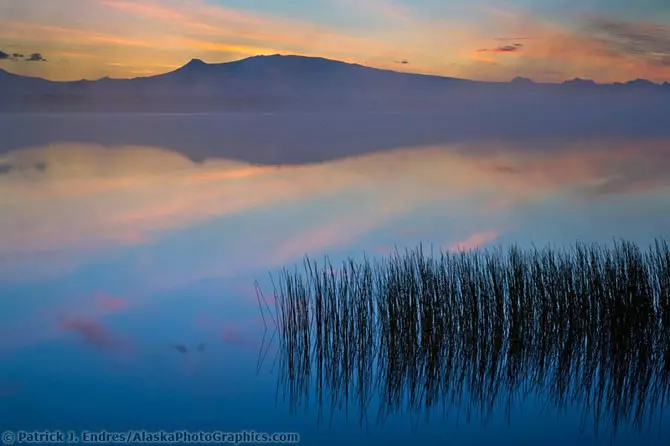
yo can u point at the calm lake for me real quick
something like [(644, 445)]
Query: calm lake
[(128, 263)]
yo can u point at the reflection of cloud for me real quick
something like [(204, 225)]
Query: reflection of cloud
[(474, 241), (180, 348), (230, 334), (113, 304), (82, 315), (384, 250), (339, 231), (134, 196), (92, 332), (233, 335)]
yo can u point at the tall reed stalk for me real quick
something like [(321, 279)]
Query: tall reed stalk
[(586, 326)]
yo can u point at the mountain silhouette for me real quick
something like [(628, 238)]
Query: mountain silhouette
[(289, 82)]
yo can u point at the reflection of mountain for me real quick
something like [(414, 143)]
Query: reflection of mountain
[(320, 110), (303, 83), (583, 329), (289, 138)]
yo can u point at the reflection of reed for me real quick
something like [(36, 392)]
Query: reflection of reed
[(586, 327)]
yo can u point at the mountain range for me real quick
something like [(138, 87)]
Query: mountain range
[(276, 82)]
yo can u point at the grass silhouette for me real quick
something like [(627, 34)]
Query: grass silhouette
[(586, 326)]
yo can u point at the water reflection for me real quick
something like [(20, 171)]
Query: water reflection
[(118, 262), (87, 198), (480, 333)]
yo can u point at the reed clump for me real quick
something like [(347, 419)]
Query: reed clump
[(586, 326)]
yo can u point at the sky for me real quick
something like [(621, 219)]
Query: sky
[(546, 40)]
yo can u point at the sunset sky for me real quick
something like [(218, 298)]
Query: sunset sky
[(546, 40)]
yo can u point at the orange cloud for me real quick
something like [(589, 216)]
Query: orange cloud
[(227, 48), (149, 34), (589, 46), (170, 32), (143, 72), (151, 10), (35, 32)]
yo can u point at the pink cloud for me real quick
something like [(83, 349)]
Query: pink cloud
[(113, 304), (338, 231), (80, 315), (474, 241), (93, 332), (385, 250), (232, 335)]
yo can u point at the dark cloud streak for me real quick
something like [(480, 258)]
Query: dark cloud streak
[(503, 49), (36, 57), (641, 40), (9, 168)]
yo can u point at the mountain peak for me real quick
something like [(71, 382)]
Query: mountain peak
[(194, 63), (640, 81), (267, 56), (580, 81), (522, 80)]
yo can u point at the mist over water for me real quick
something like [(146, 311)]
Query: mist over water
[(130, 245)]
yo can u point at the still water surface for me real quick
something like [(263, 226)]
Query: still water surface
[(127, 273)]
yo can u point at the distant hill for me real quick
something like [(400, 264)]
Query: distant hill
[(267, 83)]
